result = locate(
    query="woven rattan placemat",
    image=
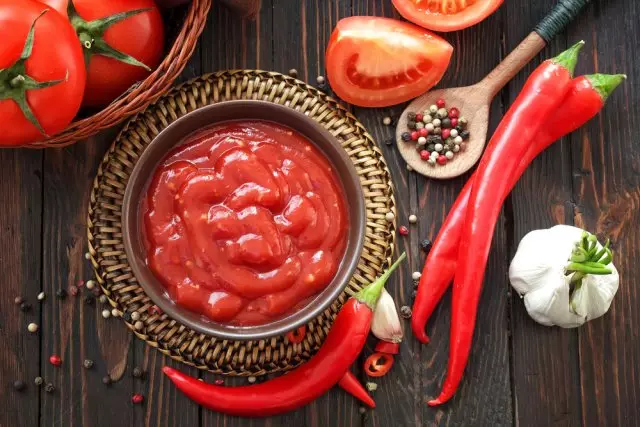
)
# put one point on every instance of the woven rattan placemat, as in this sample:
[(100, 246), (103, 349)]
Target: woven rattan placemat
[(105, 234)]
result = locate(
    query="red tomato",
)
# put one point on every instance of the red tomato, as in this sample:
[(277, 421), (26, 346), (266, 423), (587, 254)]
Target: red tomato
[(446, 15), (140, 36), (56, 55), (378, 364), (377, 62)]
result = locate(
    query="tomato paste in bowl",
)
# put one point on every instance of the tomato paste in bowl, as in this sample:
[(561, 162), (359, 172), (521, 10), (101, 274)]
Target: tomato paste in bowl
[(244, 222)]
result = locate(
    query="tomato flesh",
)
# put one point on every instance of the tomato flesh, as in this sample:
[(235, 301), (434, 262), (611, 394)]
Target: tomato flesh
[(377, 62), (446, 15)]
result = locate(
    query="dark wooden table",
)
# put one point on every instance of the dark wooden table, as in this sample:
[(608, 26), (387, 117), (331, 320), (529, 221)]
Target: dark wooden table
[(519, 373)]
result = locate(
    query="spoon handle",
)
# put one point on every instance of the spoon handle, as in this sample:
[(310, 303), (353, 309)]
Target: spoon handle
[(559, 17)]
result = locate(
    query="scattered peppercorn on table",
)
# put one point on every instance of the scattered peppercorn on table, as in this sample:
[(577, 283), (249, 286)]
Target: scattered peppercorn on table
[(68, 359)]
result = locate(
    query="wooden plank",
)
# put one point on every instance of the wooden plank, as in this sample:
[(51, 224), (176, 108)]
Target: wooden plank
[(606, 191), (164, 404), (476, 51), (20, 263), (71, 328), (546, 382), (398, 397)]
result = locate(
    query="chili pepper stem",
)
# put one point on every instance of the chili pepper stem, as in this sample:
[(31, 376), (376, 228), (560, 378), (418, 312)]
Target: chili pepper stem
[(569, 57), (605, 84), (371, 293)]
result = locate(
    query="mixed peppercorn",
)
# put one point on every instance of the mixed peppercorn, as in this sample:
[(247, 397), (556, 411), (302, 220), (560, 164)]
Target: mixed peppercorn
[(439, 133)]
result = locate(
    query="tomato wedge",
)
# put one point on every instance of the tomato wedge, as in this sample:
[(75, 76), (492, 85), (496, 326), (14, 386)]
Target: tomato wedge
[(446, 15), (378, 364), (377, 62)]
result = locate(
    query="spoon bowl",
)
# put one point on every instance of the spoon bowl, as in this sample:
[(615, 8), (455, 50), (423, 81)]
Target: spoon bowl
[(473, 103)]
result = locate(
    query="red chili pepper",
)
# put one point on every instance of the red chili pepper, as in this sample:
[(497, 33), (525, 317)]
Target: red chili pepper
[(585, 99), (305, 383), (297, 336), (378, 364), (351, 385), (541, 96), (387, 347)]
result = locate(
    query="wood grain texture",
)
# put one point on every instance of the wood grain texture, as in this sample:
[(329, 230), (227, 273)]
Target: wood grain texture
[(545, 381), (71, 328), (606, 190), (20, 264), (488, 366)]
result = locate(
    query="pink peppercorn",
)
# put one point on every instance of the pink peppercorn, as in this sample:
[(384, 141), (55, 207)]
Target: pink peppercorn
[(419, 117), (446, 133), (423, 132), (55, 360), (73, 290), (440, 103), (442, 160), (219, 382), (403, 230), (414, 135), (454, 122), (155, 310), (137, 399), (454, 113), (424, 155)]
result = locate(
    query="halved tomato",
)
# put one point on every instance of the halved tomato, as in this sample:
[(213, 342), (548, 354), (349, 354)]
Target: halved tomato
[(377, 62), (446, 15)]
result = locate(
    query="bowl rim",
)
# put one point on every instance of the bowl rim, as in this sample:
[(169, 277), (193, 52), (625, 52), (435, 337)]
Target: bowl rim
[(355, 209)]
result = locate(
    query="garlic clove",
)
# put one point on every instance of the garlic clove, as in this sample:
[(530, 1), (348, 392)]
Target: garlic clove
[(594, 297), (386, 322)]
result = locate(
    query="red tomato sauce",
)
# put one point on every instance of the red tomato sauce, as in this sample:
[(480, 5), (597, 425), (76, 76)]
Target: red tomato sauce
[(245, 222)]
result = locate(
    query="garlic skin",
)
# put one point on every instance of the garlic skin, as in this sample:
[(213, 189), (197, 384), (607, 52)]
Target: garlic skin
[(538, 273), (386, 322)]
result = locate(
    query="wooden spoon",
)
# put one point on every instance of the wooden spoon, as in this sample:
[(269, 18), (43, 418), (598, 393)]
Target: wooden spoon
[(474, 101)]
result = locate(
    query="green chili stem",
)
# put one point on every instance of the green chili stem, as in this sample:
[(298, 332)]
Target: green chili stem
[(371, 293)]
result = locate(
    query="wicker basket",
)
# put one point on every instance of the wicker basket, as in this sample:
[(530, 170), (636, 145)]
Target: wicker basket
[(147, 91)]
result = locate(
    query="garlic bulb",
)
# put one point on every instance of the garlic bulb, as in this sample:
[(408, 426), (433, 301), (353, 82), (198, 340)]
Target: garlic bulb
[(565, 276), (386, 323)]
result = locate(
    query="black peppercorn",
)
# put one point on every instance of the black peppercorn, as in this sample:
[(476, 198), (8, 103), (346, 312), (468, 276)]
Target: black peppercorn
[(24, 307), (106, 380), (405, 311), (126, 316), (446, 123), (19, 385), (434, 139), (388, 141), (459, 129), (411, 124), (49, 388), (411, 117), (89, 300), (465, 135), (437, 131), (431, 147), (96, 292), (414, 293), (88, 363), (61, 294), (426, 245), (406, 136), (138, 373)]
